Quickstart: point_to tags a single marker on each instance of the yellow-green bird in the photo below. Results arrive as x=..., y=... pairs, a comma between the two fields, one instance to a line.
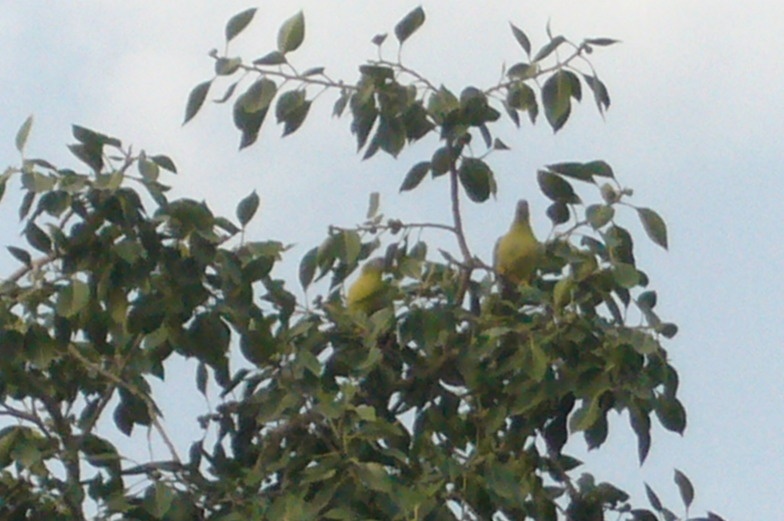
x=368, y=292
x=516, y=252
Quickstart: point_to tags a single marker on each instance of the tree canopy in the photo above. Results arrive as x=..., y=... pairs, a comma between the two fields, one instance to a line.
x=432, y=395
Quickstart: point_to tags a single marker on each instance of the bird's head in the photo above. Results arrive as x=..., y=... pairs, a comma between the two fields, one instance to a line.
x=521, y=211
x=375, y=265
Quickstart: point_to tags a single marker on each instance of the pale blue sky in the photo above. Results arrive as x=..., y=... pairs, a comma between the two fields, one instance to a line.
x=695, y=129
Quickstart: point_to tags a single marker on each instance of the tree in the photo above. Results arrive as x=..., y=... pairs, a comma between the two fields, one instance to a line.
x=446, y=401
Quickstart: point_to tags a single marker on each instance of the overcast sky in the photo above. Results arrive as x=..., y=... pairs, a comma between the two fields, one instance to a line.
x=695, y=129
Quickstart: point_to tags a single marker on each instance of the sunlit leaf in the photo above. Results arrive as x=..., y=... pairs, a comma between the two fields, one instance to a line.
x=23, y=133
x=291, y=33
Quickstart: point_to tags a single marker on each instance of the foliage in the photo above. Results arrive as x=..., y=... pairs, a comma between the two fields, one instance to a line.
x=449, y=402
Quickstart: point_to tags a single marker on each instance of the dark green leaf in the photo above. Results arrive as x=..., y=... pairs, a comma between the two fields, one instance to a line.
x=600, y=94
x=558, y=213
x=23, y=133
x=37, y=238
x=201, y=378
x=643, y=515
x=442, y=161
x=21, y=255
x=164, y=162
x=653, y=499
x=477, y=179
x=291, y=33
x=647, y=299
x=292, y=109
x=379, y=39
x=641, y=424
x=272, y=58
x=667, y=329
x=685, y=487
x=551, y=46
x=307, y=268
x=671, y=413
x=601, y=42
x=27, y=202
x=238, y=23
x=573, y=170
x=196, y=100
x=92, y=138
x=246, y=208
x=556, y=94
x=654, y=226
x=556, y=188
x=415, y=176
x=499, y=145
x=521, y=38
x=410, y=23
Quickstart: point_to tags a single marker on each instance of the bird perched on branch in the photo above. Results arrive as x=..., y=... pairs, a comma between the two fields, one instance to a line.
x=368, y=293
x=516, y=252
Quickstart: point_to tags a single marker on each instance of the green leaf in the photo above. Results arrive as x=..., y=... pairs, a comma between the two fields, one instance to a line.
x=291, y=33
x=149, y=170
x=272, y=58
x=196, y=100
x=685, y=487
x=246, y=208
x=37, y=238
x=201, y=378
x=251, y=108
x=72, y=298
x=21, y=255
x=307, y=267
x=23, y=133
x=227, y=66
x=477, y=179
x=599, y=214
x=521, y=38
x=410, y=23
x=164, y=162
x=600, y=94
x=626, y=275
x=653, y=499
x=520, y=96
x=373, y=205
x=415, y=176
x=556, y=94
x=350, y=246
x=556, y=188
x=558, y=213
x=671, y=413
x=574, y=170
x=313, y=71
x=551, y=46
x=238, y=23
x=92, y=138
x=654, y=226
x=379, y=39
x=292, y=109
x=641, y=514
x=601, y=42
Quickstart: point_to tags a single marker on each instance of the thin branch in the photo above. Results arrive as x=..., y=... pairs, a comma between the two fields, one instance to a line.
x=152, y=409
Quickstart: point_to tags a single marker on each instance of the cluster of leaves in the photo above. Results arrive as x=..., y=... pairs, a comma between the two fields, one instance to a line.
x=449, y=402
